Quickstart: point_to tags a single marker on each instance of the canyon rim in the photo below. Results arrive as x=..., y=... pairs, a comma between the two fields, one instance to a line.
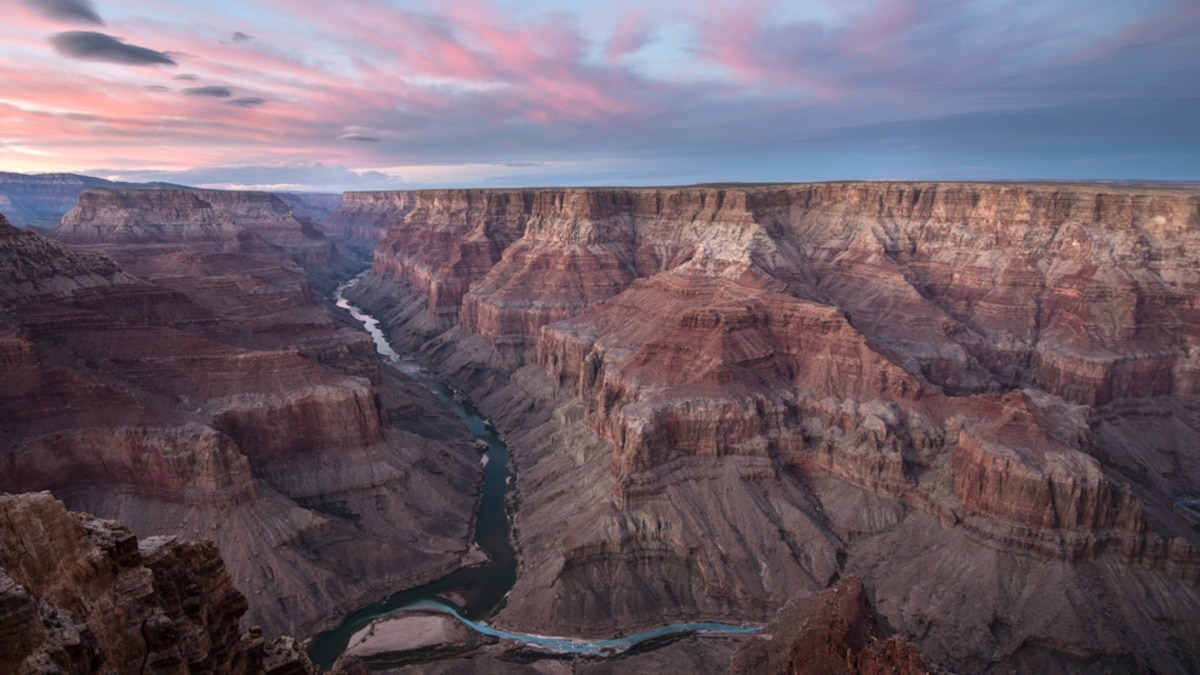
x=919, y=426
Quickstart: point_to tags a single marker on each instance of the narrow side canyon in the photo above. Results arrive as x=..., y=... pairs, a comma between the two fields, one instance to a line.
x=175, y=369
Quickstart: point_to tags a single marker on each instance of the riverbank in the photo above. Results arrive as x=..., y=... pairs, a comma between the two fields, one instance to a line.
x=476, y=590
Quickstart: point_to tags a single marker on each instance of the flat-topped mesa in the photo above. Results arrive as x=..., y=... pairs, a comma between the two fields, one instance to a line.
x=178, y=216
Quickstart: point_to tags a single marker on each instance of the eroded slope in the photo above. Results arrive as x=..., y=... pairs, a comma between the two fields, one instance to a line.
x=214, y=398
x=954, y=391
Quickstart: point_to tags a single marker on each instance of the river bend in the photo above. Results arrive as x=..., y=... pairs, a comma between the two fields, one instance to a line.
x=482, y=587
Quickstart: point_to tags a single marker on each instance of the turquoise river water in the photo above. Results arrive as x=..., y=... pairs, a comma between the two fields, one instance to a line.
x=481, y=588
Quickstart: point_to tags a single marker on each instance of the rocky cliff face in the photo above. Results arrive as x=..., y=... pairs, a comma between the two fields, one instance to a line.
x=213, y=397
x=132, y=225
x=364, y=217
x=834, y=632
x=740, y=393
x=41, y=200
x=183, y=216
x=82, y=595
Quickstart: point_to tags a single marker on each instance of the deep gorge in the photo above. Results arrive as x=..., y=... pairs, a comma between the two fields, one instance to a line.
x=970, y=408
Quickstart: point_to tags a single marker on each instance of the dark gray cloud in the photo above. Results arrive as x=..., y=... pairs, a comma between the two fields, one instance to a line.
x=246, y=101
x=69, y=10
x=94, y=46
x=188, y=77
x=211, y=91
x=239, y=36
x=156, y=87
x=360, y=138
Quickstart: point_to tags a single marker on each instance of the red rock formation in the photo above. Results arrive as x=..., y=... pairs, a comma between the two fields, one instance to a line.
x=132, y=225
x=83, y=595
x=834, y=632
x=41, y=200
x=215, y=397
x=683, y=365
x=364, y=217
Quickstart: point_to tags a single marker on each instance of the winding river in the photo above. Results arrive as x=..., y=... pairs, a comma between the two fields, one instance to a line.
x=480, y=588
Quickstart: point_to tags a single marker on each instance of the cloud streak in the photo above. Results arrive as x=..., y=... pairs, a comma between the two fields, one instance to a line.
x=674, y=91
x=67, y=10
x=92, y=46
x=209, y=91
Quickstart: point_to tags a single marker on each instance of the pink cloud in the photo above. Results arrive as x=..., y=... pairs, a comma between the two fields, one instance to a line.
x=631, y=34
x=1181, y=19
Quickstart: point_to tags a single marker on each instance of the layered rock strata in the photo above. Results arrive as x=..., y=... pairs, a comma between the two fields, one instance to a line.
x=364, y=217
x=834, y=632
x=132, y=225
x=221, y=401
x=41, y=200
x=739, y=392
x=83, y=595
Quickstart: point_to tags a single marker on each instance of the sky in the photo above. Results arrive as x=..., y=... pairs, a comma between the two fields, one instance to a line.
x=397, y=94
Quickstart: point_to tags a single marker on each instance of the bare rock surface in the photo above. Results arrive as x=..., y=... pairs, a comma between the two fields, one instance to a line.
x=83, y=595
x=212, y=396
x=41, y=200
x=738, y=395
x=142, y=227
x=836, y=631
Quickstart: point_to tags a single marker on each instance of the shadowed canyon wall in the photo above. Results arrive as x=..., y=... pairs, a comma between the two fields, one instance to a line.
x=739, y=395
x=207, y=392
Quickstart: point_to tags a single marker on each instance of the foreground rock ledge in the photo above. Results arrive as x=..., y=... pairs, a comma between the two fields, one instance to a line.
x=83, y=595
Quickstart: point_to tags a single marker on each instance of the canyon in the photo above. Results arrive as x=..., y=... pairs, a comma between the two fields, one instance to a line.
x=178, y=372
x=980, y=399
x=907, y=426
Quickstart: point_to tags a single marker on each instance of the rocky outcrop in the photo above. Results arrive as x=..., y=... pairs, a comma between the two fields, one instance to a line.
x=214, y=397
x=679, y=368
x=315, y=206
x=83, y=595
x=836, y=631
x=33, y=267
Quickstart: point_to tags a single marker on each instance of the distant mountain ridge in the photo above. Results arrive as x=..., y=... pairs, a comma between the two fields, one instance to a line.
x=41, y=200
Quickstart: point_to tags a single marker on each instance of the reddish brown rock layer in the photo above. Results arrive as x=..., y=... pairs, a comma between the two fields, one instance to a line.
x=96, y=603
x=134, y=225
x=82, y=595
x=214, y=397
x=678, y=367
x=834, y=632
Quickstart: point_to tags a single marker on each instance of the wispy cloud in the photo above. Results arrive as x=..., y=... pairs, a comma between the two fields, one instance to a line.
x=210, y=91
x=68, y=10
x=521, y=89
x=94, y=46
